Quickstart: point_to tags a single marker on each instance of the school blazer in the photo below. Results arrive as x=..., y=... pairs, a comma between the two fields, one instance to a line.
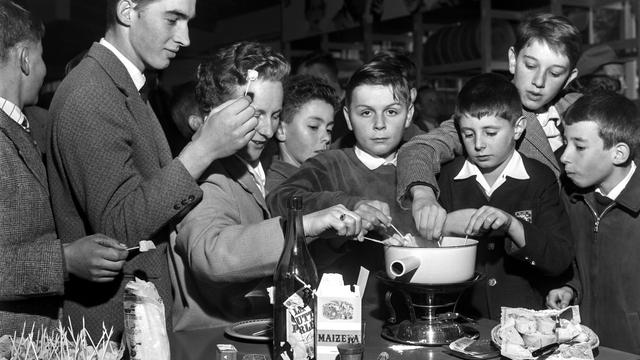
x=111, y=172
x=31, y=270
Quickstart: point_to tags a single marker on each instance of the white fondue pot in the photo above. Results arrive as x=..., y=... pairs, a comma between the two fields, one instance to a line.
x=453, y=262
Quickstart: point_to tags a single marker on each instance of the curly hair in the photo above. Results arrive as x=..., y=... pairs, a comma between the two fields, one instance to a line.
x=219, y=77
x=300, y=89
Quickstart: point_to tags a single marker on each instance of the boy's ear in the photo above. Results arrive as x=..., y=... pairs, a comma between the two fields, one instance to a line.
x=195, y=122
x=281, y=132
x=414, y=95
x=513, y=57
x=409, y=118
x=125, y=11
x=519, y=127
x=345, y=111
x=621, y=153
x=572, y=75
x=23, y=55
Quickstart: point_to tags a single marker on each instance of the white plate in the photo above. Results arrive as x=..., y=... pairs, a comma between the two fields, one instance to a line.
x=594, y=341
x=254, y=330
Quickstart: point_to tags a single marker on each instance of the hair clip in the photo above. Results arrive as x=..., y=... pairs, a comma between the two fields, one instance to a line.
x=252, y=75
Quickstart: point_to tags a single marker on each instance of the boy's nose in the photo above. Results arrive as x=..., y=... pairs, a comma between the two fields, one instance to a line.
x=538, y=79
x=479, y=144
x=380, y=122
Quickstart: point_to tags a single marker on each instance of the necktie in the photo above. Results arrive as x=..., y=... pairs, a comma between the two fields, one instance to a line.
x=144, y=92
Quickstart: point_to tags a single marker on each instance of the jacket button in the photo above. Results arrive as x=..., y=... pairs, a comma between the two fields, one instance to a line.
x=184, y=202
x=492, y=282
x=191, y=198
x=491, y=246
x=533, y=263
x=177, y=206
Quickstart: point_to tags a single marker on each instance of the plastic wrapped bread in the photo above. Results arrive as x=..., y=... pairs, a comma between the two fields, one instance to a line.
x=144, y=322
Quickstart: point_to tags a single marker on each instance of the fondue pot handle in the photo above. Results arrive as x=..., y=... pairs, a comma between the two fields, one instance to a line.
x=403, y=266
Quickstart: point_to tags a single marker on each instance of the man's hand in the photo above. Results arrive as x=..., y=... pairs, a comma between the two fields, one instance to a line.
x=374, y=213
x=227, y=129
x=560, y=298
x=338, y=217
x=96, y=258
x=427, y=213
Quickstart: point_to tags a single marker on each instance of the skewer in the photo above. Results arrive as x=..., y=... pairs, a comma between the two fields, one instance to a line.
x=396, y=230
x=374, y=240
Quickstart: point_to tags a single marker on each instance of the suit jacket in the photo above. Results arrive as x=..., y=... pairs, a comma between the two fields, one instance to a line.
x=111, y=172
x=222, y=250
x=31, y=274
x=419, y=159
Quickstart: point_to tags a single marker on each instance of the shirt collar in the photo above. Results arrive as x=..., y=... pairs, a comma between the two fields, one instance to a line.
x=374, y=162
x=12, y=110
x=136, y=75
x=258, y=174
x=514, y=169
x=550, y=115
x=615, y=192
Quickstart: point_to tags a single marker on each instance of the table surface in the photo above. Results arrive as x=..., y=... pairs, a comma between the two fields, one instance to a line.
x=202, y=345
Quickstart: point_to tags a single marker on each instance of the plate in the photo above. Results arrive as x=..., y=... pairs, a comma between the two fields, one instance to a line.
x=594, y=341
x=254, y=330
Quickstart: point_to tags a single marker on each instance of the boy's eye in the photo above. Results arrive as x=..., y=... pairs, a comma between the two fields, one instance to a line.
x=467, y=135
x=172, y=21
x=580, y=148
x=491, y=133
x=392, y=112
x=314, y=128
x=530, y=66
x=365, y=113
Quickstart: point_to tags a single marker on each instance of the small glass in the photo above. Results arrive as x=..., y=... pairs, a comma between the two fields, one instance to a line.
x=351, y=351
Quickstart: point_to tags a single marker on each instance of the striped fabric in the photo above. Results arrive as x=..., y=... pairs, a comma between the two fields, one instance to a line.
x=14, y=113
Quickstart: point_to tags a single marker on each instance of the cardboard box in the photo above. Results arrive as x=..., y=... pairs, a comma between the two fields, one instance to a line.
x=339, y=316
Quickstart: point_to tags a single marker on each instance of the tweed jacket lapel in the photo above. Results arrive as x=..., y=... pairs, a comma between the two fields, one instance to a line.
x=27, y=149
x=238, y=170
x=536, y=137
x=140, y=110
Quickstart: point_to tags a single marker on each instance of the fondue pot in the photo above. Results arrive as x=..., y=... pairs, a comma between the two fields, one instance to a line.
x=453, y=261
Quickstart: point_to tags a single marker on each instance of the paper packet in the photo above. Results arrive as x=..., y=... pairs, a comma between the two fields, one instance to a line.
x=144, y=322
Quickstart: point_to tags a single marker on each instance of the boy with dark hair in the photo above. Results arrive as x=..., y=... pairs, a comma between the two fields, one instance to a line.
x=542, y=62
x=509, y=201
x=306, y=124
x=602, y=133
x=377, y=109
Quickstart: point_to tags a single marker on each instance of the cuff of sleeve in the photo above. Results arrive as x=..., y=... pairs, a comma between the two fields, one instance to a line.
x=65, y=273
x=404, y=200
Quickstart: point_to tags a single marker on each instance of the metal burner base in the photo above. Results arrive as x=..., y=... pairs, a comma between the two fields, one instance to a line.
x=428, y=333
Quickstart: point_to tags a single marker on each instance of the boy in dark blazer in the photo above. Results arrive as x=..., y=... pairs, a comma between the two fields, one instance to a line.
x=510, y=202
x=34, y=262
x=109, y=162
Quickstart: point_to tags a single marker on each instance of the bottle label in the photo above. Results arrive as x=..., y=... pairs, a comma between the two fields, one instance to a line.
x=300, y=325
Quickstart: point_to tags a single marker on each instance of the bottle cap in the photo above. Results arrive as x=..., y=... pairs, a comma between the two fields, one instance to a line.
x=295, y=202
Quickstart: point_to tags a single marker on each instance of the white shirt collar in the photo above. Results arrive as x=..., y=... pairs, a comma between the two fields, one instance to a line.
x=374, y=162
x=136, y=75
x=514, y=169
x=258, y=174
x=12, y=110
x=615, y=192
x=550, y=120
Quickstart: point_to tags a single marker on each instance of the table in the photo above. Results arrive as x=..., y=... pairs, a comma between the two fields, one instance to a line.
x=201, y=345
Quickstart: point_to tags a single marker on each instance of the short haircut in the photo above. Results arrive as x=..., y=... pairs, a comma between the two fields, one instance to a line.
x=617, y=117
x=112, y=9
x=301, y=89
x=489, y=95
x=219, y=77
x=403, y=60
x=556, y=31
x=183, y=104
x=17, y=25
x=381, y=72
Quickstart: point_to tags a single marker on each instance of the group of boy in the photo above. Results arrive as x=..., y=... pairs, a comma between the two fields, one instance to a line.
x=208, y=204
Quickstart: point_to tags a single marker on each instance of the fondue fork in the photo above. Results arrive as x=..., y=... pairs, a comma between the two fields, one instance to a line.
x=374, y=240
x=396, y=230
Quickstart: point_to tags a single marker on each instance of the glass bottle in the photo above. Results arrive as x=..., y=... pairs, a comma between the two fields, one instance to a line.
x=295, y=281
